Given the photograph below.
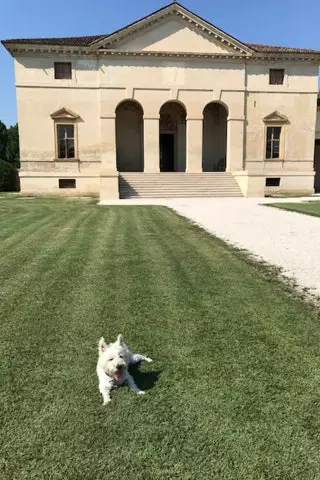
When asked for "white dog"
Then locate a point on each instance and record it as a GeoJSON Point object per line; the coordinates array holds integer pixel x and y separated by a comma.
{"type": "Point", "coordinates": [112, 367]}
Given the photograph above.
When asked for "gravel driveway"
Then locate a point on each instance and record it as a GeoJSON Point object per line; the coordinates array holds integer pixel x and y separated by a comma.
{"type": "Point", "coordinates": [288, 240]}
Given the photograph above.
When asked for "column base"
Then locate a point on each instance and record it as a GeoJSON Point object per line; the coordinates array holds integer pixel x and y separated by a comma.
{"type": "Point", "coordinates": [251, 185]}
{"type": "Point", "coordinates": [152, 170]}
{"type": "Point", "coordinates": [109, 186]}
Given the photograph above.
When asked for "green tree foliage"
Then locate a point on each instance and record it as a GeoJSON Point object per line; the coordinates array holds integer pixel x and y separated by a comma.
{"type": "Point", "coordinates": [3, 140]}
{"type": "Point", "coordinates": [9, 158]}
{"type": "Point", "coordinates": [8, 177]}
{"type": "Point", "coordinates": [12, 149]}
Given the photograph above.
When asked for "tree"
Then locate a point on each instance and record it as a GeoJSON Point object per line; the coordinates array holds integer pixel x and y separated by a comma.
{"type": "Point", "coordinates": [12, 154]}
{"type": "Point", "coordinates": [8, 177]}
{"type": "Point", "coordinates": [3, 140]}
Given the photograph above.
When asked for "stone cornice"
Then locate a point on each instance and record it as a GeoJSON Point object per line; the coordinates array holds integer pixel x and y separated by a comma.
{"type": "Point", "coordinates": [156, 54]}
{"type": "Point", "coordinates": [30, 50]}
{"type": "Point", "coordinates": [45, 50]}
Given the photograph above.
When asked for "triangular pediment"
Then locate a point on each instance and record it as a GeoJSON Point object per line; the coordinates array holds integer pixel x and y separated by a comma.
{"type": "Point", "coordinates": [275, 117]}
{"type": "Point", "coordinates": [173, 29]}
{"type": "Point", "coordinates": [64, 114]}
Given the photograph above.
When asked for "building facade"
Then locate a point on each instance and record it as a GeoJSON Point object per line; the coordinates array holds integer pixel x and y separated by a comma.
{"type": "Point", "coordinates": [168, 93]}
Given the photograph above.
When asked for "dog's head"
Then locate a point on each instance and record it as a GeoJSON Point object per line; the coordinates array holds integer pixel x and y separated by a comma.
{"type": "Point", "coordinates": [113, 358]}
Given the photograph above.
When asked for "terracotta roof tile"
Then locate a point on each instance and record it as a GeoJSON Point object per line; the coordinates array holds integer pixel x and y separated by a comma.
{"type": "Point", "coordinates": [88, 40]}
{"type": "Point", "coordinates": [63, 41]}
{"type": "Point", "coordinates": [276, 49]}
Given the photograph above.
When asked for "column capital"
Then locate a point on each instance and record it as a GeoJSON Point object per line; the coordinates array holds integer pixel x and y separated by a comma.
{"type": "Point", "coordinates": [194, 118]}
{"type": "Point", "coordinates": [111, 116]}
{"type": "Point", "coordinates": [236, 119]}
{"type": "Point", "coordinates": [151, 117]}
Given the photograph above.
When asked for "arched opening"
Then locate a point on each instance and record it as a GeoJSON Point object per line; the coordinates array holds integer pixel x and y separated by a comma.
{"type": "Point", "coordinates": [129, 137]}
{"type": "Point", "coordinates": [214, 151]}
{"type": "Point", "coordinates": [172, 131]}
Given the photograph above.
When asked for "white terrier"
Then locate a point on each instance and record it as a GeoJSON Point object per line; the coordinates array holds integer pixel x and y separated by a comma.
{"type": "Point", "coordinates": [112, 367]}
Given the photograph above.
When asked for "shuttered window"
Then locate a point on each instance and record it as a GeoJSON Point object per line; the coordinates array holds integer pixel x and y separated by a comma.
{"type": "Point", "coordinates": [276, 76]}
{"type": "Point", "coordinates": [62, 70]}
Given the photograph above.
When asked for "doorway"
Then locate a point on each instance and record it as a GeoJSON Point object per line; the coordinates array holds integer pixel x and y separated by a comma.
{"type": "Point", "coordinates": [129, 137]}
{"type": "Point", "coordinates": [214, 151]}
{"type": "Point", "coordinates": [172, 137]}
{"type": "Point", "coordinates": [166, 152]}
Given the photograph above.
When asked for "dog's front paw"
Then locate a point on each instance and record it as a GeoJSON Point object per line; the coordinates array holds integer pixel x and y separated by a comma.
{"type": "Point", "coordinates": [106, 402]}
{"type": "Point", "coordinates": [149, 360]}
{"type": "Point", "coordinates": [141, 392]}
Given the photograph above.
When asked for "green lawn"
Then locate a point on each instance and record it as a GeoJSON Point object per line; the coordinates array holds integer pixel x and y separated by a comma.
{"type": "Point", "coordinates": [234, 390]}
{"type": "Point", "coordinates": [308, 208]}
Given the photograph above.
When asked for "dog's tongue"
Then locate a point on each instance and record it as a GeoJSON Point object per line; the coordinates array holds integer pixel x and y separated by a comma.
{"type": "Point", "coordinates": [118, 377]}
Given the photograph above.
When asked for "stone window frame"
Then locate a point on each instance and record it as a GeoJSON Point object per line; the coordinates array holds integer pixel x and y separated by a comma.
{"type": "Point", "coordinates": [275, 119]}
{"type": "Point", "coordinates": [273, 69]}
{"type": "Point", "coordinates": [280, 141]}
{"type": "Point", "coordinates": [60, 62]}
{"type": "Point", "coordinates": [66, 117]}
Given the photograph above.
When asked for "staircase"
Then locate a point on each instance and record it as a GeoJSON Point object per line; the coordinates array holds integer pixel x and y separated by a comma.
{"type": "Point", "coordinates": [169, 185]}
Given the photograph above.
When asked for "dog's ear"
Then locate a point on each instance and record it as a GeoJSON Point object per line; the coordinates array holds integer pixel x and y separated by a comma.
{"type": "Point", "coordinates": [120, 340]}
{"type": "Point", "coordinates": [102, 345]}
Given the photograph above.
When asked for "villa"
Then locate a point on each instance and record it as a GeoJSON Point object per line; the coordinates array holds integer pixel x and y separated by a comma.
{"type": "Point", "coordinates": [170, 105]}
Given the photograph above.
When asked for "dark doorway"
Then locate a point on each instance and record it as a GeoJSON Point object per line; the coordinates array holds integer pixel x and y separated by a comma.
{"type": "Point", "coordinates": [317, 166]}
{"type": "Point", "coordinates": [214, 143]}
{"type": "Point", "coordinates": [166, 152]}
{"type": "Point", "coordinates": [129, 137]}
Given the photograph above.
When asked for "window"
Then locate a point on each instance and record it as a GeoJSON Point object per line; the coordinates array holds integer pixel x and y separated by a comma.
{"type": "Point", "coordinates": [67, 183]}
{"type": "Point", "coordinates": [273, 142]}
{"type": "Point", "coordinates": [65, 141]}
{"type": "Point", "coordinates": [276, 76]}
{"type": "Point", "coordinates": [62, 70]}
{"type": "Point", "coordinates": [272, 182]}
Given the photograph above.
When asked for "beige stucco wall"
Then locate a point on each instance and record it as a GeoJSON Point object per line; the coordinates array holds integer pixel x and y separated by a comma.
{"type": "Point", "coordinates": [298, 134]}
{"type": "Point", "coordinates": [299, 77]}
{"type": "Point", "coordinates": [173, 35]}
{"type": "Point", "coordinates": [152, 82]}
{"type": "Point", "coordinates": [48, 184]}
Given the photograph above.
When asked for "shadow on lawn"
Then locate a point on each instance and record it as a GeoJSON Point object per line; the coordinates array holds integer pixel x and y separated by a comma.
{"type": "Point", "coordinates": [144, 380]}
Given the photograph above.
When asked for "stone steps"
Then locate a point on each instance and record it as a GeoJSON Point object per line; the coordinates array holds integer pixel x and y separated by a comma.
{"type": "Point", "coordinates": [178, 185]}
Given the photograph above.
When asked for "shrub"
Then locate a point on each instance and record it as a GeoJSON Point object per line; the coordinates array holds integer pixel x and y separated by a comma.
{"type": "Point", "coordinates": [8, 177]}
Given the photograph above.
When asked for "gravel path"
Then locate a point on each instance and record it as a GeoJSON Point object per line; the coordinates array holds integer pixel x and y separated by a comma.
{"type": "Point", "coordinates": [285, 239]}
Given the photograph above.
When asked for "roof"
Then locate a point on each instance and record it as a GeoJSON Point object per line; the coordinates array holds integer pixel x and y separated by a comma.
{"type": "Point", "coordinates": [63, 41]}
{"type": "Point", "coordinates": [277, 49]}
{"type": "Point", "coordinates": [88, 41]}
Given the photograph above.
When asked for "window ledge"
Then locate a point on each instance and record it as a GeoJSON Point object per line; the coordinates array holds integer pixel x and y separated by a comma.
{"type": "Point", "coordinates": [272, 160]}
{"type": "Point", "coordinates": [65, 160]}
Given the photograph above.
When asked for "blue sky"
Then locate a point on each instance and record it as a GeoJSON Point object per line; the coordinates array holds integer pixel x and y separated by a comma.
{"type": "Point", "coordinates": [287, 22]}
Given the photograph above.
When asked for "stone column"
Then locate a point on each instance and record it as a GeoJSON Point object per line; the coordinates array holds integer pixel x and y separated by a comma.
{"type": "Point", "coordinates": [235, 144]}
{"type": "Point", "coordinates": [109, 188]}
{"type": "Point", "coordinates": [194, 144]}
{"type": "Point", "coordinates": [151, 144]}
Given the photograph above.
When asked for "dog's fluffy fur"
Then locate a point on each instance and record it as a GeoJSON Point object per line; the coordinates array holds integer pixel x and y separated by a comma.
{"type": "Point", "coordinates": [112, 367]}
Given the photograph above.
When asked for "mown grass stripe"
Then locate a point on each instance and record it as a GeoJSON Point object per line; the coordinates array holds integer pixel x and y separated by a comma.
{"type": "Point", "coordinates": [234, 389]}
